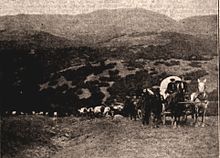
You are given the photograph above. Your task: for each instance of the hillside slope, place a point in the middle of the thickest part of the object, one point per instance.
(206, 24)
(31, 39)
(93, 27)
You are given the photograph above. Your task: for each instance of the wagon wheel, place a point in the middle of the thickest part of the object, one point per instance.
(139, 114)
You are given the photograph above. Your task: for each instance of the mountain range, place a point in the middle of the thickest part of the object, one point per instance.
(116, 27)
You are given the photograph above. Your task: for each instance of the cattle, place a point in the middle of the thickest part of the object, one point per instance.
(98, 110)
(22, 113)
(107, 111)
(90, 112)
(33, 112)
(82, 111)
(41, 113)
(116, 109)
(55, 114)
(152, 104)
(14, 112)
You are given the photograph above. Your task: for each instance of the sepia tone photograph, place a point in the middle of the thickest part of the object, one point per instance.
(109, 78)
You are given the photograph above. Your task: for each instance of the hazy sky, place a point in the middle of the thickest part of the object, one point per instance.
(176, 9)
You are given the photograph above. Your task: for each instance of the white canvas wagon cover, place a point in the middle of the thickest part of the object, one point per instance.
(164, 83)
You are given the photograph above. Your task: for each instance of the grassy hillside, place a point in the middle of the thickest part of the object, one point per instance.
(92, 28)
(31, 39)
(79, 137)
(206, 24)
(163, 45)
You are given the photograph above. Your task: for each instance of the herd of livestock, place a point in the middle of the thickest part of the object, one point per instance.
(152, 106)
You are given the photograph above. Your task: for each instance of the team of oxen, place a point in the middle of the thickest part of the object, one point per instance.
(152, 107)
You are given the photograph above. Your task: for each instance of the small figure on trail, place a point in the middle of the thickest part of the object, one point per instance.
(130, 107)
(171, 87)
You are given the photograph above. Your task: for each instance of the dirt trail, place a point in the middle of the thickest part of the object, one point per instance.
(123, 138)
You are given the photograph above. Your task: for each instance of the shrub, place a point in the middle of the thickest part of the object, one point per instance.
(195, 64)
(194, 75)
(170, 63)
(213, 96)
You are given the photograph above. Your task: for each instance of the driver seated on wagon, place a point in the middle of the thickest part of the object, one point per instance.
(171, 87)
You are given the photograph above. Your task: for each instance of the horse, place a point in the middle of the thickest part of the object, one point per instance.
(173, 103)
(200, 99)
(152, 104)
